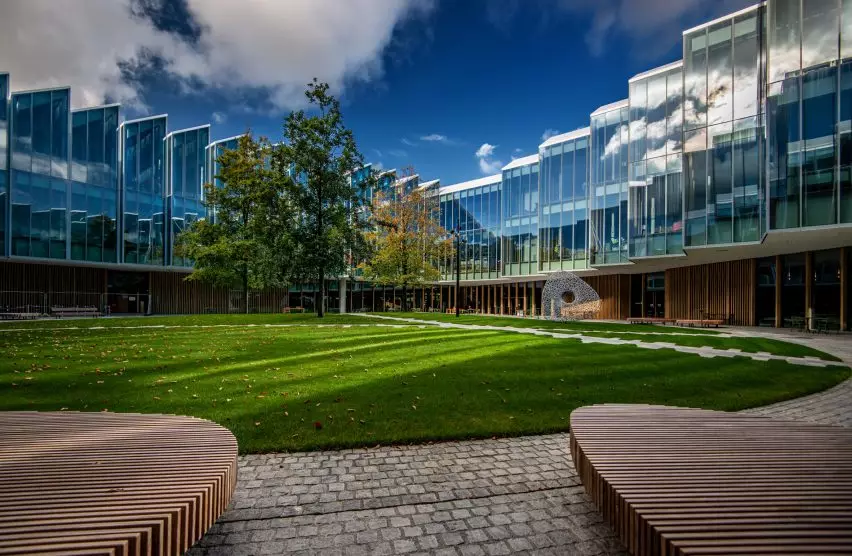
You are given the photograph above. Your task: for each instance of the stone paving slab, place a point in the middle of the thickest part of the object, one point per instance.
(499, 496)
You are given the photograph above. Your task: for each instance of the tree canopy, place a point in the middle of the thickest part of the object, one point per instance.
(406, 241)
(321, 153)
(283, 212)
(246, 240)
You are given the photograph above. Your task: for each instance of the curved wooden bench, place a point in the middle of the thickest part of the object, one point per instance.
(689, 481)
(111, 483)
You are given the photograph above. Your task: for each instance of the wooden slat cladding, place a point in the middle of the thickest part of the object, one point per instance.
(614, 291)
(172, 294)
(47, 278)
(720, 289)
(676, 481)
(107, 483)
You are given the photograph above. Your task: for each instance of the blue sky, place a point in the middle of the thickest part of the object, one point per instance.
(424, 83)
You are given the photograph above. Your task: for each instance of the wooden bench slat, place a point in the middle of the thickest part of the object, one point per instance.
(688, 481)
(110, 483)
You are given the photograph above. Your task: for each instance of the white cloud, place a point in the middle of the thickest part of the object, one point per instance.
(399, 153)
(487, 163)
(276, 47)
(485, 150)
(218, 117)
(408, 142)
(435, 138)
(548, 133)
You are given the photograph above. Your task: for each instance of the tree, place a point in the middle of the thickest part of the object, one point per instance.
(247, 240)
(320, 152)
(407, 241)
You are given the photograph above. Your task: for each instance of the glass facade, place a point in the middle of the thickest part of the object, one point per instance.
(94, 184)
(751, 132)
(473, 212)
(4, 155)
(143, 190)
(723, 131)
(39, 173)
(564, 203)
(186, 174)
(809, 110)
(655, 157)
(519, 228)
(608, 184)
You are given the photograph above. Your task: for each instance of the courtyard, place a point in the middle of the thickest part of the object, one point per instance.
(292, 383)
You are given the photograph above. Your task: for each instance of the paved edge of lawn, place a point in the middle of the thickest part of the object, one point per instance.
(703, 351)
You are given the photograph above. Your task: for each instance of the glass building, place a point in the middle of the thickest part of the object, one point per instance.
(723, 130)
(735, 161)
(143, 192)
(564, 202)
(94, 184)
(185, 178)
(654, 153)
(519, 230)
(473, 210)
(39, 173)
(608, 184)
(809, 110)
(4, 157)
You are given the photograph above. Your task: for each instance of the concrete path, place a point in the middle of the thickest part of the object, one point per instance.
(704, 351)
(501, 496)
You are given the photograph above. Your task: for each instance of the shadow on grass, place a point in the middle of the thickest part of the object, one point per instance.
(394, 386)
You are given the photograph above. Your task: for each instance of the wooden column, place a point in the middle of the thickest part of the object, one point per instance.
(809, 283)
(526, 306)
(844, 288)
(779, 273)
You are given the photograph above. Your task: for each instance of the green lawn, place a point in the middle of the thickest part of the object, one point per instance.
(694, 337)
(364, 385)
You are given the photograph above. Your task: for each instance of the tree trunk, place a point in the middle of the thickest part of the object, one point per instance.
(245, 286)
(321, 295)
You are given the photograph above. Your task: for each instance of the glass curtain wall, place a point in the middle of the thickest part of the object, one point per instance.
(39, 173)
(474, 212)
(608, 184)
(656, 180)
(520, 217)
(723, 131)
(4, 153)
(94, 184)
(563, 228)
(213, 152)
(185, 181)
(809, 105)
(143, 190)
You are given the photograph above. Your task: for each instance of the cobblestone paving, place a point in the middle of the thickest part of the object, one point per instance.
(501, 496)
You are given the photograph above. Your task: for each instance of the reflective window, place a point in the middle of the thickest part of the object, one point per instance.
(844, 141)
(820, 31)
(143, 235)
(656, 169)
(94, 187)
(4, 171)
(819, 105)
(39, 192)
(608, 187)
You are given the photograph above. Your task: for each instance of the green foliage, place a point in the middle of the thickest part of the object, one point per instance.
(248, 241)
(407, 242)
(321, 153)
(366, 384)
